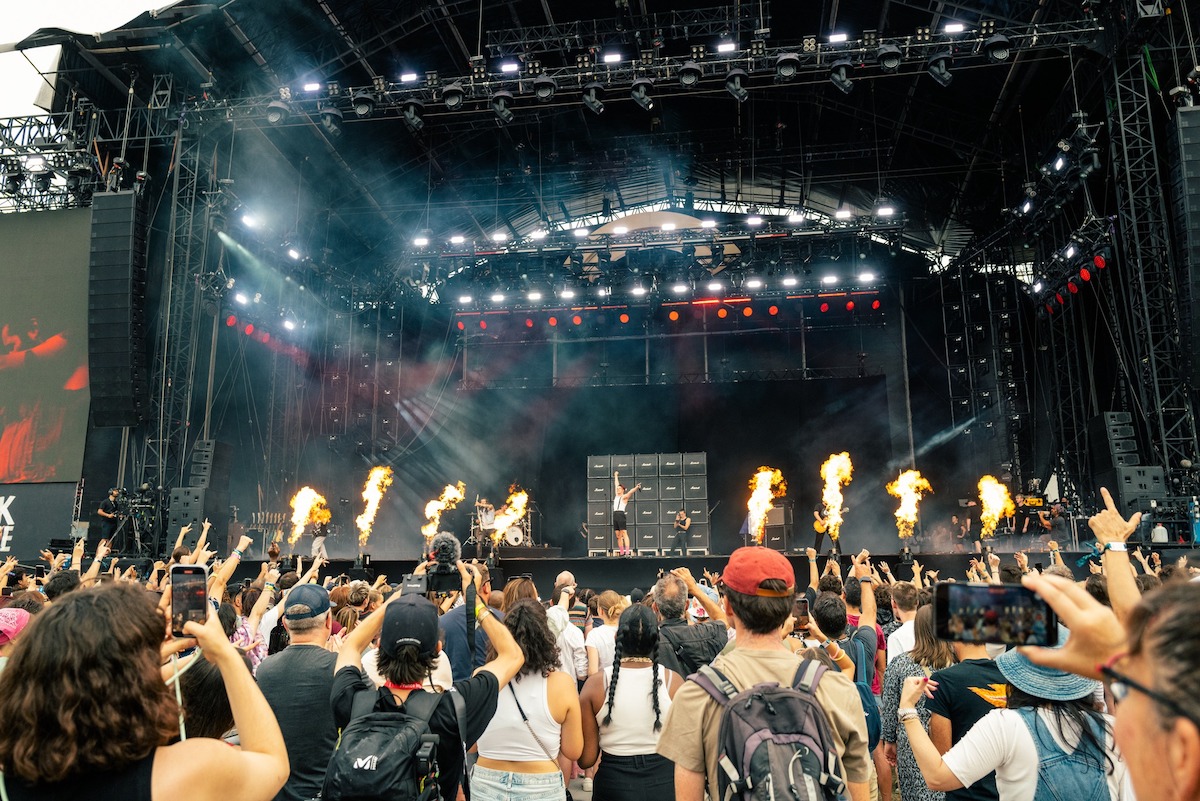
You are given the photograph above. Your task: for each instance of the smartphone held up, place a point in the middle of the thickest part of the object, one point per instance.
(1008, 614)
(189, 596)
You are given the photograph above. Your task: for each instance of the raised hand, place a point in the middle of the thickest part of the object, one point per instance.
(811, 553)
(994, 561)
(1108, 525)
(931, 575)
(1096, 633)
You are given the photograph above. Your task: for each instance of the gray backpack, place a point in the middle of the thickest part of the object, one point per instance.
(774, 742)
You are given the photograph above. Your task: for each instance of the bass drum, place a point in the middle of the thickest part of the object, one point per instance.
(514, 536)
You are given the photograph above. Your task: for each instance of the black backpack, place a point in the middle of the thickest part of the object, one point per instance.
(385, 755)
(691, 646)
(774, 742)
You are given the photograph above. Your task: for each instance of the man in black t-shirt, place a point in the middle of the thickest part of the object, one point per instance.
(297, 683)
(407, 626)
(966, 692)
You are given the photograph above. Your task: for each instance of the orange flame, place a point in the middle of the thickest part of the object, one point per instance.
(308, 506)
(378, 480)
(767, 484)
(451, 495)
(995, 503)
(511, 513)
(909, 486)
(836, 473)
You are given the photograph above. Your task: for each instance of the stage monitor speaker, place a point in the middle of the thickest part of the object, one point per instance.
(119, 384)
(600, 467)
(645, 465)
(670, 464)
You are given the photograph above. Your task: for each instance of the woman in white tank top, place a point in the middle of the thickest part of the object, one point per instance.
(623, 708)
(537, 719)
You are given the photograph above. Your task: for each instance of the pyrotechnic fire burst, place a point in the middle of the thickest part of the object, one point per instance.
(511, 513)
(451, 495)
(308, 506)
(766, 484)
(909, 486)
(995, 503)
(836, 473)
(379, 479)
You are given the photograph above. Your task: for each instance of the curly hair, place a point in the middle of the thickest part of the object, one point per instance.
(637, 636)
(82, 691)
(526, 620)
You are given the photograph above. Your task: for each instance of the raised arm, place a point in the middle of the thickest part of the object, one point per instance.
(1112, 530)
(715, 611)
(509, 657)
(861, 573)
(814, 577)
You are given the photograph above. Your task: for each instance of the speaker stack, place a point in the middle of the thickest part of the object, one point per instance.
(117, 310)
(207, 493)
(670, 482)
(1116, 464)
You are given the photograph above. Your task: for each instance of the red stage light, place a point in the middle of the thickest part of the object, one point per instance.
(624, 318)
(824, 308)
(264, 337)
(528, 323)
(875, 305)
(1072, 288)
(849, 305)
(1099, 261)
(747, 312)
(577, 319)
(483, 324)
(1085, 274)
(722, 313)
(249, 329)
(1049, 308)
(673, 316)
(553, 321)
(1058, 296)
(231, 321)
(774, 310)
(462, 326)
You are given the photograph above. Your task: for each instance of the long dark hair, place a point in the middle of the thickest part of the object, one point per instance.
(527, 622)
(82, 691)
(637, 635)
(1080, 713)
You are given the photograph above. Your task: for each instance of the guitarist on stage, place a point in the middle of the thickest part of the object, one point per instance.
(821, 525)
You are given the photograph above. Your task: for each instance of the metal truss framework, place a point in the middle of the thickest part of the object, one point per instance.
(1152, 309)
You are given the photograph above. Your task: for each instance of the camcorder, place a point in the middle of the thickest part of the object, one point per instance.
(442, 576)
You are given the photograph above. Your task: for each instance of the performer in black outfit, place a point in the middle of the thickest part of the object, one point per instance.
(108, 517)
(681, 523)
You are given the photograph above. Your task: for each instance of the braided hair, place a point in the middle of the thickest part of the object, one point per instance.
(637, 635)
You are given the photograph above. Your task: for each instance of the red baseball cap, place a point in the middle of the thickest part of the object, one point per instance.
(749, 567)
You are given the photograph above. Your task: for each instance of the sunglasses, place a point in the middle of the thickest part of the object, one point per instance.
(1120, 686)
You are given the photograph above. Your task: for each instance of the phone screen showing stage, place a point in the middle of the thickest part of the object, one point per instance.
(1008, 614)
(189, 596)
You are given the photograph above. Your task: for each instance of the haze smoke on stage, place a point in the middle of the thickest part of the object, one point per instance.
(511, 513)
(766, 484)
(308, 506)
(995, 503)
(451, 495)
(836, 473)
(379, 479)
(909, 486)
(445, 548)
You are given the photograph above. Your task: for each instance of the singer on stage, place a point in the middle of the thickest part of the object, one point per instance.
(320, 531)
(620, 526)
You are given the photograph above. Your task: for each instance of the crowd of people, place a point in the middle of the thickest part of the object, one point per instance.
(685, 691)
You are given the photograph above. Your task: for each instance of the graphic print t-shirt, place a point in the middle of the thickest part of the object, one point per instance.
(966, 692)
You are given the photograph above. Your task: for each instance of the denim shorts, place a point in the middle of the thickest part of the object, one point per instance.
(502, 785)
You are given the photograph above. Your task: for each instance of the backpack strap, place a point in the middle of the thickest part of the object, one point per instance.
(364, 703)
(808, 675)
(714, 683)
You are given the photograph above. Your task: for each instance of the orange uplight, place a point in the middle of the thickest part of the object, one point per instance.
(849, 305)
(231, 321)
(673, 316)
(249, 329)
(462, 326)
(483, 324)
(624, 318)
(576, 320)
(747, 312)
(774, 310)
(553, 321)
(722, 313)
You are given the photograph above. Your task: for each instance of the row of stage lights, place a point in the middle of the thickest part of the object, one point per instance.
(888, 57)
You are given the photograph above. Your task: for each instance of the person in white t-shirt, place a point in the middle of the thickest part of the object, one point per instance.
(1049, 743)
(601, 641)
(904, 607)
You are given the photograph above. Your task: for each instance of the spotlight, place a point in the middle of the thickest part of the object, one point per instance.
(938, 67)
(421, 241)
(787, 66)
(889, 57)
(640, 92)
(1037, 286)
(679, 288)
(241, 298)
(829, 280)
(754, 283)
(295, 254)
(539, 234)
(544, 88)
(534, 295)
(500, 102)
(689, 74)
(866, 278)
(414, 114)
(708, 223)
(714, 286)
(457, 239)
(278, 112)
(726, 47)
(364, 104)
(497, 297)
(733, 84)
(580, 233)
(289, 325)
(591, 98)
(331, 119)
(612, 58)
(838, 38)
(754, 219)
(408, 77)
(452, 96)
(998, 48)
(790, 280)
(839, 75)
(954, 27)
(620, 229)
(843, 213)
(567, 293)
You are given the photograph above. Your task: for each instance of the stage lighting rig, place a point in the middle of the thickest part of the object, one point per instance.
(501, 101)
(640, 92)
(735, 82)
(938, 67)
(839, 75)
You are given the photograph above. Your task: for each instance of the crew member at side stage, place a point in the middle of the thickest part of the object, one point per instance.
(682, 523)
(620, 526)
(320, 531)
(108, 515)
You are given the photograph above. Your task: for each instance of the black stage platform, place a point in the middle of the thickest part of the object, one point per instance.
(624, 574)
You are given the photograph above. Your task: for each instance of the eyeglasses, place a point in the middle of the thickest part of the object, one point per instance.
(1119, 685)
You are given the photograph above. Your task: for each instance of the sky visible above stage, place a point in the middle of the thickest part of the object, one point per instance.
(20, 81)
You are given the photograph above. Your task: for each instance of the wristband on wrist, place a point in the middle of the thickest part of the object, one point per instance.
(236, 553)
(1116, 546)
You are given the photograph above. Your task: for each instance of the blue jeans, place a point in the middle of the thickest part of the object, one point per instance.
(646, 777)
(502, 785)
(1066, 776)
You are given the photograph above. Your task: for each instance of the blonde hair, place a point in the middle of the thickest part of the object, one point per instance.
(611, 604)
